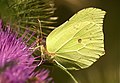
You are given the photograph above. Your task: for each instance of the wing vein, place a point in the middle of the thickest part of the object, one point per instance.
(72, 37)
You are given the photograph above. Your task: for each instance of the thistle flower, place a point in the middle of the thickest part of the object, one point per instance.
(16, 60)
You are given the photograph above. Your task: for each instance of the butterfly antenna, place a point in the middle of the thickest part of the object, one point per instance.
(40, 37)
(40, 30)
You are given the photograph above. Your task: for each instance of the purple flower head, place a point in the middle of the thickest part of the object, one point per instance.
(41, 77)
(16, 60)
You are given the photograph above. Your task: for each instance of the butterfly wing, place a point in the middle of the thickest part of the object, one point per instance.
(80, 41)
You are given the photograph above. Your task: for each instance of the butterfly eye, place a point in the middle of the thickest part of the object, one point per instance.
(79, 40)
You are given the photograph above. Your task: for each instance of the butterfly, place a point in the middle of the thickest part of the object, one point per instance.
(78, 42)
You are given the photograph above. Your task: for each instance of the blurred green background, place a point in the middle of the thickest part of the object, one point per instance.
(106, 69)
